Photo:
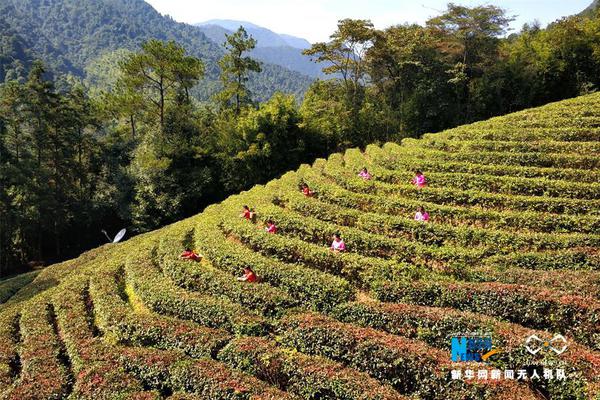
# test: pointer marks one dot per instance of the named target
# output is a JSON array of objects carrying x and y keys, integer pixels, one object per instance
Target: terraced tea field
[{"x": 511, "y": 249}]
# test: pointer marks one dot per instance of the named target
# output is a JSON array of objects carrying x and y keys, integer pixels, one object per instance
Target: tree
[
  {"x": 160, "y": 72},
  {"x": 235, "y": 69},
  {"x": 469, "y": 38},
  {"x": 263, "y": 142},
  {"x": 345, "y": 52},
  {"x": 401, "y": 59},
  {"x": 344, "y": 55},
  {"x": 325, "y": 114}
]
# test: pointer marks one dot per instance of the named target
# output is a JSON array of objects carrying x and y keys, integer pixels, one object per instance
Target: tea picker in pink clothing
[
  {"x": 419, "y": 180},
  {"x": 338, "y": 244},
  {"x": 365, "y": 174},
  {"x": 271, "y": 227},
  {"x": 421, "y": 215}
]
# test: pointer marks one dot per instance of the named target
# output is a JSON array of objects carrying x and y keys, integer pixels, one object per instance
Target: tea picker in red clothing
[
  {"x": 249, "y": 276},
  {"x": 306, "y": 190},
  {"x": 190, "y": 254},
  {"x": 248, "y": 214}
]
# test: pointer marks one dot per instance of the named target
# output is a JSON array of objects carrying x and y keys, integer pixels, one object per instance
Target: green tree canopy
[
  {"x": 235, "y": 70},
  {"x": 161, "y": 72}
]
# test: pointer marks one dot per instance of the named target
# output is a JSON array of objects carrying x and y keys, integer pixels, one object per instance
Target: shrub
[
  {"x": 11, "y": 286},
  {"x": 533, "y": 307},
  {"x": 164, "y": 297},
  {"x": 210, "y": 379},
  {"x": 310, "y": 287},
  {"x": 408, "y": 365},
  {"x": 115, "y": 316},
  {"x": 433, "y": 324},
  {"x": 309, "y": 377},
  {"x": 435, "y": 160},
  {"x": 203, "y": 278}
]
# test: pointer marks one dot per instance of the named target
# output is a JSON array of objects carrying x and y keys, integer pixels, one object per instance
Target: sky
[{"x": 315, "y": 20}]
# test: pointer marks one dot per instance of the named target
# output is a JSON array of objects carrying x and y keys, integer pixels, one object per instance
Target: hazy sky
[{"x": 315, "y": 20}]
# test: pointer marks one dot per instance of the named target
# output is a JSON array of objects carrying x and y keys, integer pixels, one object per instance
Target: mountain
[
  {"x": 15, "y": 56},
  {"x": 295, "y": 42},
  {"x": 134, "y": 320},
  {"x": 68, "y": 35},
  {"x": 263, "y": 36},
  {"x": 591, "y": 8},
  {"x": 280, "y": 49}
]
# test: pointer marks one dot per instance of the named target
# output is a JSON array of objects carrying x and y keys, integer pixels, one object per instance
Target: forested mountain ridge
[
  {"x": 591, "y": 8},
  {"x": 271, "y": 47},
  {"x": 68, "y": 35},
  {"x": 264, "y": 36}
]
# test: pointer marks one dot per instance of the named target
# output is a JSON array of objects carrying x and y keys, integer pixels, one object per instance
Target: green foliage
[
  {"x": 70, "y": 36},
  {"x": 431, "y": 325},
  {"x": 204, "y": 278},
  {"x": 133, "y": 320},
  {"x": 235, "y": 70},
  {"x": 11, "y": 286},
  {"x": 138, "y": 150},
  {"x": 520, "y": 304},
  {"x": 312, "y": 288},
  {"x": 164, "y": 297},
  {"x": 454, "y": 70},
  {"x": 410, "y": 366},
  {"x": 50, "y": 161},
  {"x": 42, "y": 372},
  {"x": 162, "y": 73},
  {"x": 205, "y": 378},
  {"x": 305, "y": 376}
]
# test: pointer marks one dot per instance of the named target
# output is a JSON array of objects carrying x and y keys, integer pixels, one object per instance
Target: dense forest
[
  {"x": 69, "y": 35},
  {"x": 124, "y": 141}
]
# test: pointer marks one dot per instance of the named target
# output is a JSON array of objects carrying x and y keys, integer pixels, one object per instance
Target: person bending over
[
  {"x": 190, "y": 254},
  {"x": 338, "y": 244},
  {"x": 306, "y": 190},
  {"x": 364, "y": 173},
  {"x": 421, "y": 215},
  {"x": 419, "y": 180},
  {"x": 271, "y": 227},
  {"x": 249, "y": 276},
  {"x": 247, "y": 213}
]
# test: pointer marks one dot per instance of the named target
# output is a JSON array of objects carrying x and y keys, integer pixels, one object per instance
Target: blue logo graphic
[{"x": 470, "y": 348}]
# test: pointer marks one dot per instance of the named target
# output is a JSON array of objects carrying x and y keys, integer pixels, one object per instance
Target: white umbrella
[{"x": 117, "y": 238}]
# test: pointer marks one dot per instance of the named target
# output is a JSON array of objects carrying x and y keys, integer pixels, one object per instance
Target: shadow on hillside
[{"x": 32, "y": 289}]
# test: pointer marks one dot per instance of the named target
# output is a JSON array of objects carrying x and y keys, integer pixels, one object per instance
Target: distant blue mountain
[
  {"x": 271, "y": 47},
  {"x": 296, "y": 42}
]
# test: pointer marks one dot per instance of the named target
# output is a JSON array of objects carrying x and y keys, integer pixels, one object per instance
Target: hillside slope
[
  {"x": 511, "y": 249},
  {"x": 591, "y": 8},
  {"x": 68, "y": 35}
]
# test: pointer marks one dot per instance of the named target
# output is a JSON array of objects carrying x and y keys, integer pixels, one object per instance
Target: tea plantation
[{"x": 511, "y": 248}]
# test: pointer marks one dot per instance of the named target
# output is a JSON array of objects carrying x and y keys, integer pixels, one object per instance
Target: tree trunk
[
  {"x": 132, "y": 122},
  {"x": 162, "y": 103}
]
